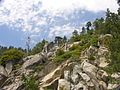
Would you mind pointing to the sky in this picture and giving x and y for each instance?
(45, 19)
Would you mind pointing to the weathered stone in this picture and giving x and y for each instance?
(103, 84)
(103, 62)
(14, 86)
(8, 67)
(112, 86)
(85, 77)
(116, 75)
(38, 59)
(75, 77)
(63, 84)
(90, 84)
(67, 75)
(77, 68)
(51, 77)
(80, 86)
(89, 68)
(3, 71)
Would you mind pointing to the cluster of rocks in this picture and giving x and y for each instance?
(85, 75)
(79, 76)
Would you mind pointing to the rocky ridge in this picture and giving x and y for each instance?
(83, 74)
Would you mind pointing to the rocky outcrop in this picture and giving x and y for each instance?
(74, 76)
(31, 63)
(48, 47)
(13, 81)
(101, 55)
(83, 74)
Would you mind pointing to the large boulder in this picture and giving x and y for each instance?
(31, 63)
(55, 75)
(89, 68)
(36, 60)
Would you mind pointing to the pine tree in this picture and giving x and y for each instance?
(75, 33)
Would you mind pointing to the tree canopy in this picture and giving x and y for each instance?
(11, 55)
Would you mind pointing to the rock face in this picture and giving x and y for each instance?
(84, 74)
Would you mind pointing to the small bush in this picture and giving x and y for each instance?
(73, 47)
(30, 83)
(67, 55)
(38, 67)
(93, 42)
(59, 59)
(11, 55)
(59, 52)
(72, 55)
(75, 57)
(17, 66)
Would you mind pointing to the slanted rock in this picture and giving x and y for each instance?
(89, 68)
(30, 64)
(9, 67)
(3, 71)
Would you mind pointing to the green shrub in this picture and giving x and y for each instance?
(72, 55)
(73, 47)
(59, 52)
(11, 55)
(94, 41)
(37, 48)
(38, 67)
(67, 55)
(16, 66)
(75, 57)
(59, 59)
(63, 57)
(30, 83)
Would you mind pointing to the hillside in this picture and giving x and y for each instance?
(87, 61)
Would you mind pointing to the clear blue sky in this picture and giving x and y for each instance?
(44, 19)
